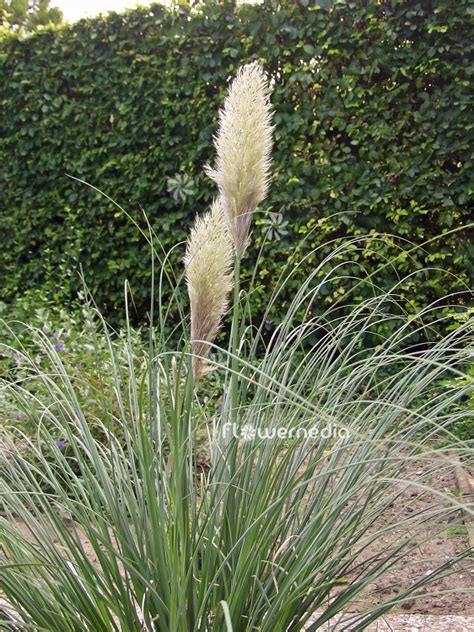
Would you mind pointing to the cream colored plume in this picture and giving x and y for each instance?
(208, 262)
(243, 144)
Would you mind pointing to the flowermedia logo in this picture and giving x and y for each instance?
(248, 432)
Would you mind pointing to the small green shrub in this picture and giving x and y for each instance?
(36, 328)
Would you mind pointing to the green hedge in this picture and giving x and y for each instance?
(373, 126)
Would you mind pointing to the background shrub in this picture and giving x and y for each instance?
(57, 340)
(373, 128)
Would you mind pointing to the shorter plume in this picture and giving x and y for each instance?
(208, 263)
(243, 146)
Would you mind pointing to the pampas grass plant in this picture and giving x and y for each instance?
(279, 534)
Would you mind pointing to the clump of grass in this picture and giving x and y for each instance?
(126, 534)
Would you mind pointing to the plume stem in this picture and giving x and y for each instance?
(234, 379)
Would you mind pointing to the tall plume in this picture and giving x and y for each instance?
(208, 262)
(243, 145)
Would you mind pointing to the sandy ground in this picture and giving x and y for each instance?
(447, 537)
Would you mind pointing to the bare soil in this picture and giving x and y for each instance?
(445, 538)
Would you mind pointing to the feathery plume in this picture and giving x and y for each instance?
(208, 263)
(243, 145)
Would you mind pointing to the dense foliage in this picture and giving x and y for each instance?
(373, 125)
